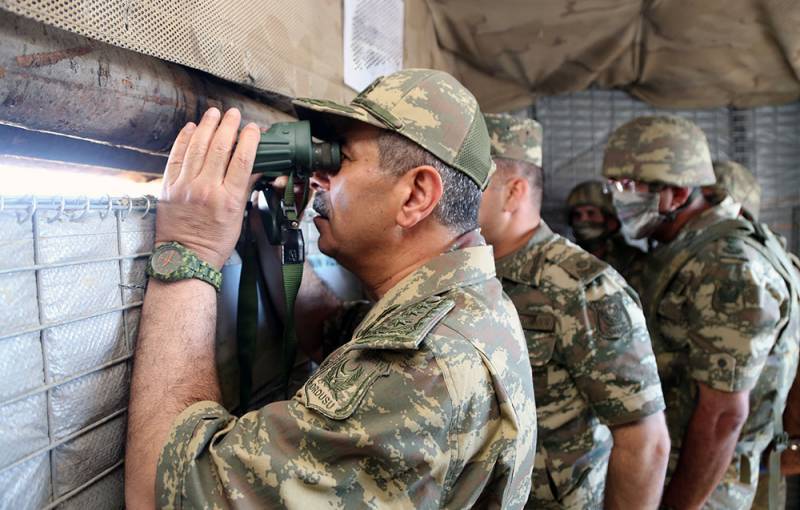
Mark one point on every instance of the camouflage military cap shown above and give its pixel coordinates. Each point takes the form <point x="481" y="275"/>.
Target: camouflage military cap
<point x="591" y="193"/>
<point x="430" y="108"/>
<point x="735" y="180"/>
<point x="515" y="138"/>
<point x="662" y="149"/>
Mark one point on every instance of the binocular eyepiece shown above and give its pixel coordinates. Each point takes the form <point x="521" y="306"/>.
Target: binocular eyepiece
<point x="286" y="147"/>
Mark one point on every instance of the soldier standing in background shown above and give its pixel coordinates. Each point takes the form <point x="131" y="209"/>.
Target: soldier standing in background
<point x="722" y="309"/>
<point x="594" y="222"/>
<point x="737" y="182"/>
<point x="428" y="405"/>
<point x="593" y="365"/>
<point x="739" y="189"/>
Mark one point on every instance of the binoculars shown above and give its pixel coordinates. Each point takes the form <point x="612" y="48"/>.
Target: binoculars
<point x="287" y="149"/>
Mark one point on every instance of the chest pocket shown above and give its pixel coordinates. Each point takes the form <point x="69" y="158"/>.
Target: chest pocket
<point x="540" y="335"/>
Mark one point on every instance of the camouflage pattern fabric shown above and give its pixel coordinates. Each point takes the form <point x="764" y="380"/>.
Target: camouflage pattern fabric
<point x="431" y="108"/>
<point x="590" y="193"/>
<point x="429" y="405"/>
<point x="660" y="149"/>
<point x="717" y="324"/>
<point x="736" y="181"/>
<point x="515" y="138"/>
<point x="629" y="261"/>
<point x="593" y="365"/>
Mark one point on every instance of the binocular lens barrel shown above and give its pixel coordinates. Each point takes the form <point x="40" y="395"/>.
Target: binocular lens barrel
<point x="326" y="157"/>
<point x="287" y="147"/>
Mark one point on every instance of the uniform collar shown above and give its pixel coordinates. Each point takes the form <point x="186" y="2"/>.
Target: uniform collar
<point x="509" y="266"/>
<point x="725" y="210"/>
<point x="468" y="261"/>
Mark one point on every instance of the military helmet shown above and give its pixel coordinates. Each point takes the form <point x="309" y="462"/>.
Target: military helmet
<point x="430" y="108"/>
<point x="736" y="181"/>
<point x="590" y="193"/>
<point x="662" y="149"/>
<point x="515" y="138"/>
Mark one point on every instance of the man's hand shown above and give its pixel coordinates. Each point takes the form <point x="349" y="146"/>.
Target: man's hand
<point x="206" y="188"/>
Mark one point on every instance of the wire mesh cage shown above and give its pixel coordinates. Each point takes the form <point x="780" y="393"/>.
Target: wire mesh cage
<point x="71" y="288"/>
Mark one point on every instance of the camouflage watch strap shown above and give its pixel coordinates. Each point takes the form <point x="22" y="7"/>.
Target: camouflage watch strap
<point x="191" y="267"/>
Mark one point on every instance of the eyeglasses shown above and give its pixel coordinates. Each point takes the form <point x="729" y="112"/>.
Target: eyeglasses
<point x="628" y="185"/>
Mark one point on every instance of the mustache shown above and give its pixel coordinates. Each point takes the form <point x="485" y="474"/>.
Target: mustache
<point x="321" y="204"/>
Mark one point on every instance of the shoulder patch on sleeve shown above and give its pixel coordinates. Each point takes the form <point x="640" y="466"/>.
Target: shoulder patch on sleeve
<point x="583" y="266"/>
<point x="338" y="387"/>
<point x="404" y="327"/>
<point x="731" y="250"/>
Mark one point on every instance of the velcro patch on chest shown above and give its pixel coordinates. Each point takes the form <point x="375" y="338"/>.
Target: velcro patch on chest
<point x="338" y="387"/>
<point x="583" y="267"/>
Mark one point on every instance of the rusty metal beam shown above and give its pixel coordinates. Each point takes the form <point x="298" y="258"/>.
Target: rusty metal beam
<point x="61" y="83"/>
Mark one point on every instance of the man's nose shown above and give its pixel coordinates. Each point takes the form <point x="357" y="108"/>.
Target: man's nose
<point x="320" y="181"/>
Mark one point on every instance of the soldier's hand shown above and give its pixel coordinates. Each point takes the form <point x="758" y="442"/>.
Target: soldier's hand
<point x="206" y="186"/>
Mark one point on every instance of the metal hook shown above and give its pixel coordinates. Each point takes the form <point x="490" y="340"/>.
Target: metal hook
<point x="110" y="204"/>
<point x="60" y="214"/>
<point x="30" y="211"/>
<point x="146" y="209"/>
<point x="122" y="217"/>
<point x="83" y="212"/>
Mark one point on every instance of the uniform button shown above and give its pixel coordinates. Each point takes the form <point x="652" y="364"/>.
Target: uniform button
<point x="721" y="363"/>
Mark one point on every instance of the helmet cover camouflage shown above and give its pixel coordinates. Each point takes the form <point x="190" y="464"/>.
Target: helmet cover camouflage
<point x="661" y="149"/>
<point x="515" y="138"/>
<point x="591" y="193"/>
<point x="430" y="108"/>
<point x="739" y="183"/>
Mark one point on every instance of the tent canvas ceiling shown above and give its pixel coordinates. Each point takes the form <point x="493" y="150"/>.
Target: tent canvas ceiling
<point x="670" y="53"/>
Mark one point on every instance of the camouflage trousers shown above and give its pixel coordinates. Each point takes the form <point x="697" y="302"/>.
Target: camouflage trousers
<point x="587" y="494"/>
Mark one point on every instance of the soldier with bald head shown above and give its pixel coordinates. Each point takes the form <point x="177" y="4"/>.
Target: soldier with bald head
<point x="602" y="437"/>
<point x="426" y="402"/>
<point x="722" y="308"/>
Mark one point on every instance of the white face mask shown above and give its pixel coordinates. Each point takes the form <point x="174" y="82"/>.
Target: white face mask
<point x="588" y="230"/>
<point x="638" y="212"/>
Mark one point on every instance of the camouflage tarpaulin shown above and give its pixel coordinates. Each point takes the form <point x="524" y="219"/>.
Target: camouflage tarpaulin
<point x="670" y="53"/>
<point x="673" y="53"/>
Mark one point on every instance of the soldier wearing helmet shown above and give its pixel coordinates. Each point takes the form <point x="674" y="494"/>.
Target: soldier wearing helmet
<point x="738" y="183"/>
<point x="594" y="222"/>
<point x="722" y="309"/>
<point x="428" y="403"/>
<point x="602" y="437"/>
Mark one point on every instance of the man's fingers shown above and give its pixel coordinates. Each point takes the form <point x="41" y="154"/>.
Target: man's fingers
<point x="177" y="153"/>
<point x="198" y="145"/>
<point x="219" y="152"/>
<point x="240" y="166"/>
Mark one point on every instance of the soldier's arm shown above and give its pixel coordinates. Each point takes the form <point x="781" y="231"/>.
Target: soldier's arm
<point x="202" y="205"/>
<point x="637" y="464"/>
<point x="733" y="316"/>
<point x="707" y="447"/>
<point x="615" y="370"/>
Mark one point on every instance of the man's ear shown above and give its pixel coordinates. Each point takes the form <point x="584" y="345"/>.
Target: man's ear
<point x="677" y="197"/>
<point x="420" y="190"/>
<point x="515" y="192"/>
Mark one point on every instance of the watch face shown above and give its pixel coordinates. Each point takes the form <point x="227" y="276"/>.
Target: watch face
<point x="167" y="261"/>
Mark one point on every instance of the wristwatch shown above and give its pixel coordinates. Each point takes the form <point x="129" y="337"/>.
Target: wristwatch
<point x="172" y="261"/>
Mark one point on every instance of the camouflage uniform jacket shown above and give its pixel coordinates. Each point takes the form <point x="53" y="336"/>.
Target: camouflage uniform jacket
<point x="717" y="323"/>
<point x="627" y="260"/>
<point x="429" y="405"/>
<point x="593" y="365"/>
